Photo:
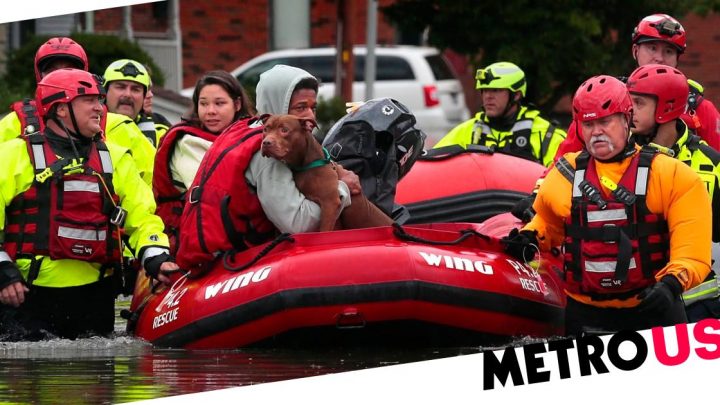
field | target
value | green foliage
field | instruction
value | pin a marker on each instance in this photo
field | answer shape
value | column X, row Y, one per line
column 101, row 51
column 558, row 43
column 328, row 112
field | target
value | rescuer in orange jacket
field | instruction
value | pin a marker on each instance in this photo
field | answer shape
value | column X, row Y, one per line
column 635, row 224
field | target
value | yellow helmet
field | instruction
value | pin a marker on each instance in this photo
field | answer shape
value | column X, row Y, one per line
column 501, row 75
column 127, row 69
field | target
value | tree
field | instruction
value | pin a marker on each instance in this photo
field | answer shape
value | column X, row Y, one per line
column 101, row 51
column 558, row 43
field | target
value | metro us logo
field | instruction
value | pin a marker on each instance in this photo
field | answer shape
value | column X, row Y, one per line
column 456, row 263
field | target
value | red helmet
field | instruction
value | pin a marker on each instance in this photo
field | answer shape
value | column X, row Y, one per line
column 601, row 96
column 59, row 48
column 666, row 84
column 660, row 27
column 63, row 86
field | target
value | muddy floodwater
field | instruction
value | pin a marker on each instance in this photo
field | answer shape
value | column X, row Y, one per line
column 126, row 369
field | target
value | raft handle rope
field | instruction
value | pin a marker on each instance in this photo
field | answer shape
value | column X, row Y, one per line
column 446, row 152
column 278, row 240
column 400, row 233
column 117, row 216
column 534, row 247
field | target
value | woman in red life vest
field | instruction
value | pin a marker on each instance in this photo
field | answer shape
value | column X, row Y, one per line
column 218, row 101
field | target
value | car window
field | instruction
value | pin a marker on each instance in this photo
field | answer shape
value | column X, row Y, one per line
column 394, row 68
column 250, row 78
column 322, row 67
column 440, row 68
column 388, row 68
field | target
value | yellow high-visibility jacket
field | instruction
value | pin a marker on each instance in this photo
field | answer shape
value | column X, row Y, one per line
column 141, row 224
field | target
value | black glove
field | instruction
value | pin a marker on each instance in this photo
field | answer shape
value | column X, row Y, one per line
column 9, row 274
column 523, row 209
column 660, row 296
column 519, row 244
column 152, row 265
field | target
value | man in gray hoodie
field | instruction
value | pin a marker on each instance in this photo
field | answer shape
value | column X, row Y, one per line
column 289, row 90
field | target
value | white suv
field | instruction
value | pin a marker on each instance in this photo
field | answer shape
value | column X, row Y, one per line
column 419, row 77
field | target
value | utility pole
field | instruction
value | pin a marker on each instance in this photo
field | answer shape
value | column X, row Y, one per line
column 370, row 61
column 345, row 61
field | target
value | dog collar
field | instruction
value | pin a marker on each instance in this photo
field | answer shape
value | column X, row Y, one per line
column 315, row 163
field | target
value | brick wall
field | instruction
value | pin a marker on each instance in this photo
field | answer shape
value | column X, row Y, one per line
column 221, row 34
column 701, row 60
column 323, row 25
column 143, row 19
column 208, row 44
column 108, row 20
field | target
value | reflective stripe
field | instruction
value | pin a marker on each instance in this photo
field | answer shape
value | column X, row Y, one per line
column 606, row 215
column 579, row 176
column 39, row 156
column 707, row 290
column 505, row 70
column 522, row 125
column 641, row 181
column 81, row 234
column 4, row 257
column 106, row 161
column 484, row 130
column 152, row 252
column 146, row 126
column 605, row 267
column 79, row 185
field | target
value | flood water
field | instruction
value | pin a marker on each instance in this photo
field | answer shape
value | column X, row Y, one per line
column 126, row 369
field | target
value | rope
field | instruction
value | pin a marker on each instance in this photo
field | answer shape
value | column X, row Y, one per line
column 532, row 247
column 280, row 239
column 400, row 233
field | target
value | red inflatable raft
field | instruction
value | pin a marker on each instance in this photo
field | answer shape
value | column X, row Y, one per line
column 423, row 284
column 453, row 184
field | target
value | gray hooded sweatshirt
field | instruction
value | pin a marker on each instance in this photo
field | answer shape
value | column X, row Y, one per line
column 275, row 88
column 282, row 202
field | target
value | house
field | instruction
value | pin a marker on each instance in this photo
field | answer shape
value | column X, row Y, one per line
column 189, row 37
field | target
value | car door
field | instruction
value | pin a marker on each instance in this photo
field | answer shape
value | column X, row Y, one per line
column 394, row 78
column 449, row 89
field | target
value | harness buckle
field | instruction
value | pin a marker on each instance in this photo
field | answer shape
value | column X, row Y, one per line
column 75, row 167
column 117, row 217
column 44, row 175
column 624, row 195
column 609, row 233
column 592, row 194
column 195, row 194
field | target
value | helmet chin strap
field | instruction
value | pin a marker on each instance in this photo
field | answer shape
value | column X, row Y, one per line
column 511, row 102
column 71, row 135
column 644, row 139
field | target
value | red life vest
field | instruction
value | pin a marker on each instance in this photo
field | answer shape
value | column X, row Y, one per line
column 222, row 212
column 614, row 245
column 27, row 113
column 66, row 213
column 170, row 201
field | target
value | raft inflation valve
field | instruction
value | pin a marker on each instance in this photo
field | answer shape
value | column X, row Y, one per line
column 350, row 318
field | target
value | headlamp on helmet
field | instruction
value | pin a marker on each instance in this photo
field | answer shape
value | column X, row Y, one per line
column 660, row 27
column 501, row 75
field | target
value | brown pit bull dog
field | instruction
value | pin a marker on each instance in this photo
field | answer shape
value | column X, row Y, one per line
column 289, row 139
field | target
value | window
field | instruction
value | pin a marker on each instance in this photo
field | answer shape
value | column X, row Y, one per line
column 250, row 78
column 388, row 68
column 322, row 67
column 440, row 68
